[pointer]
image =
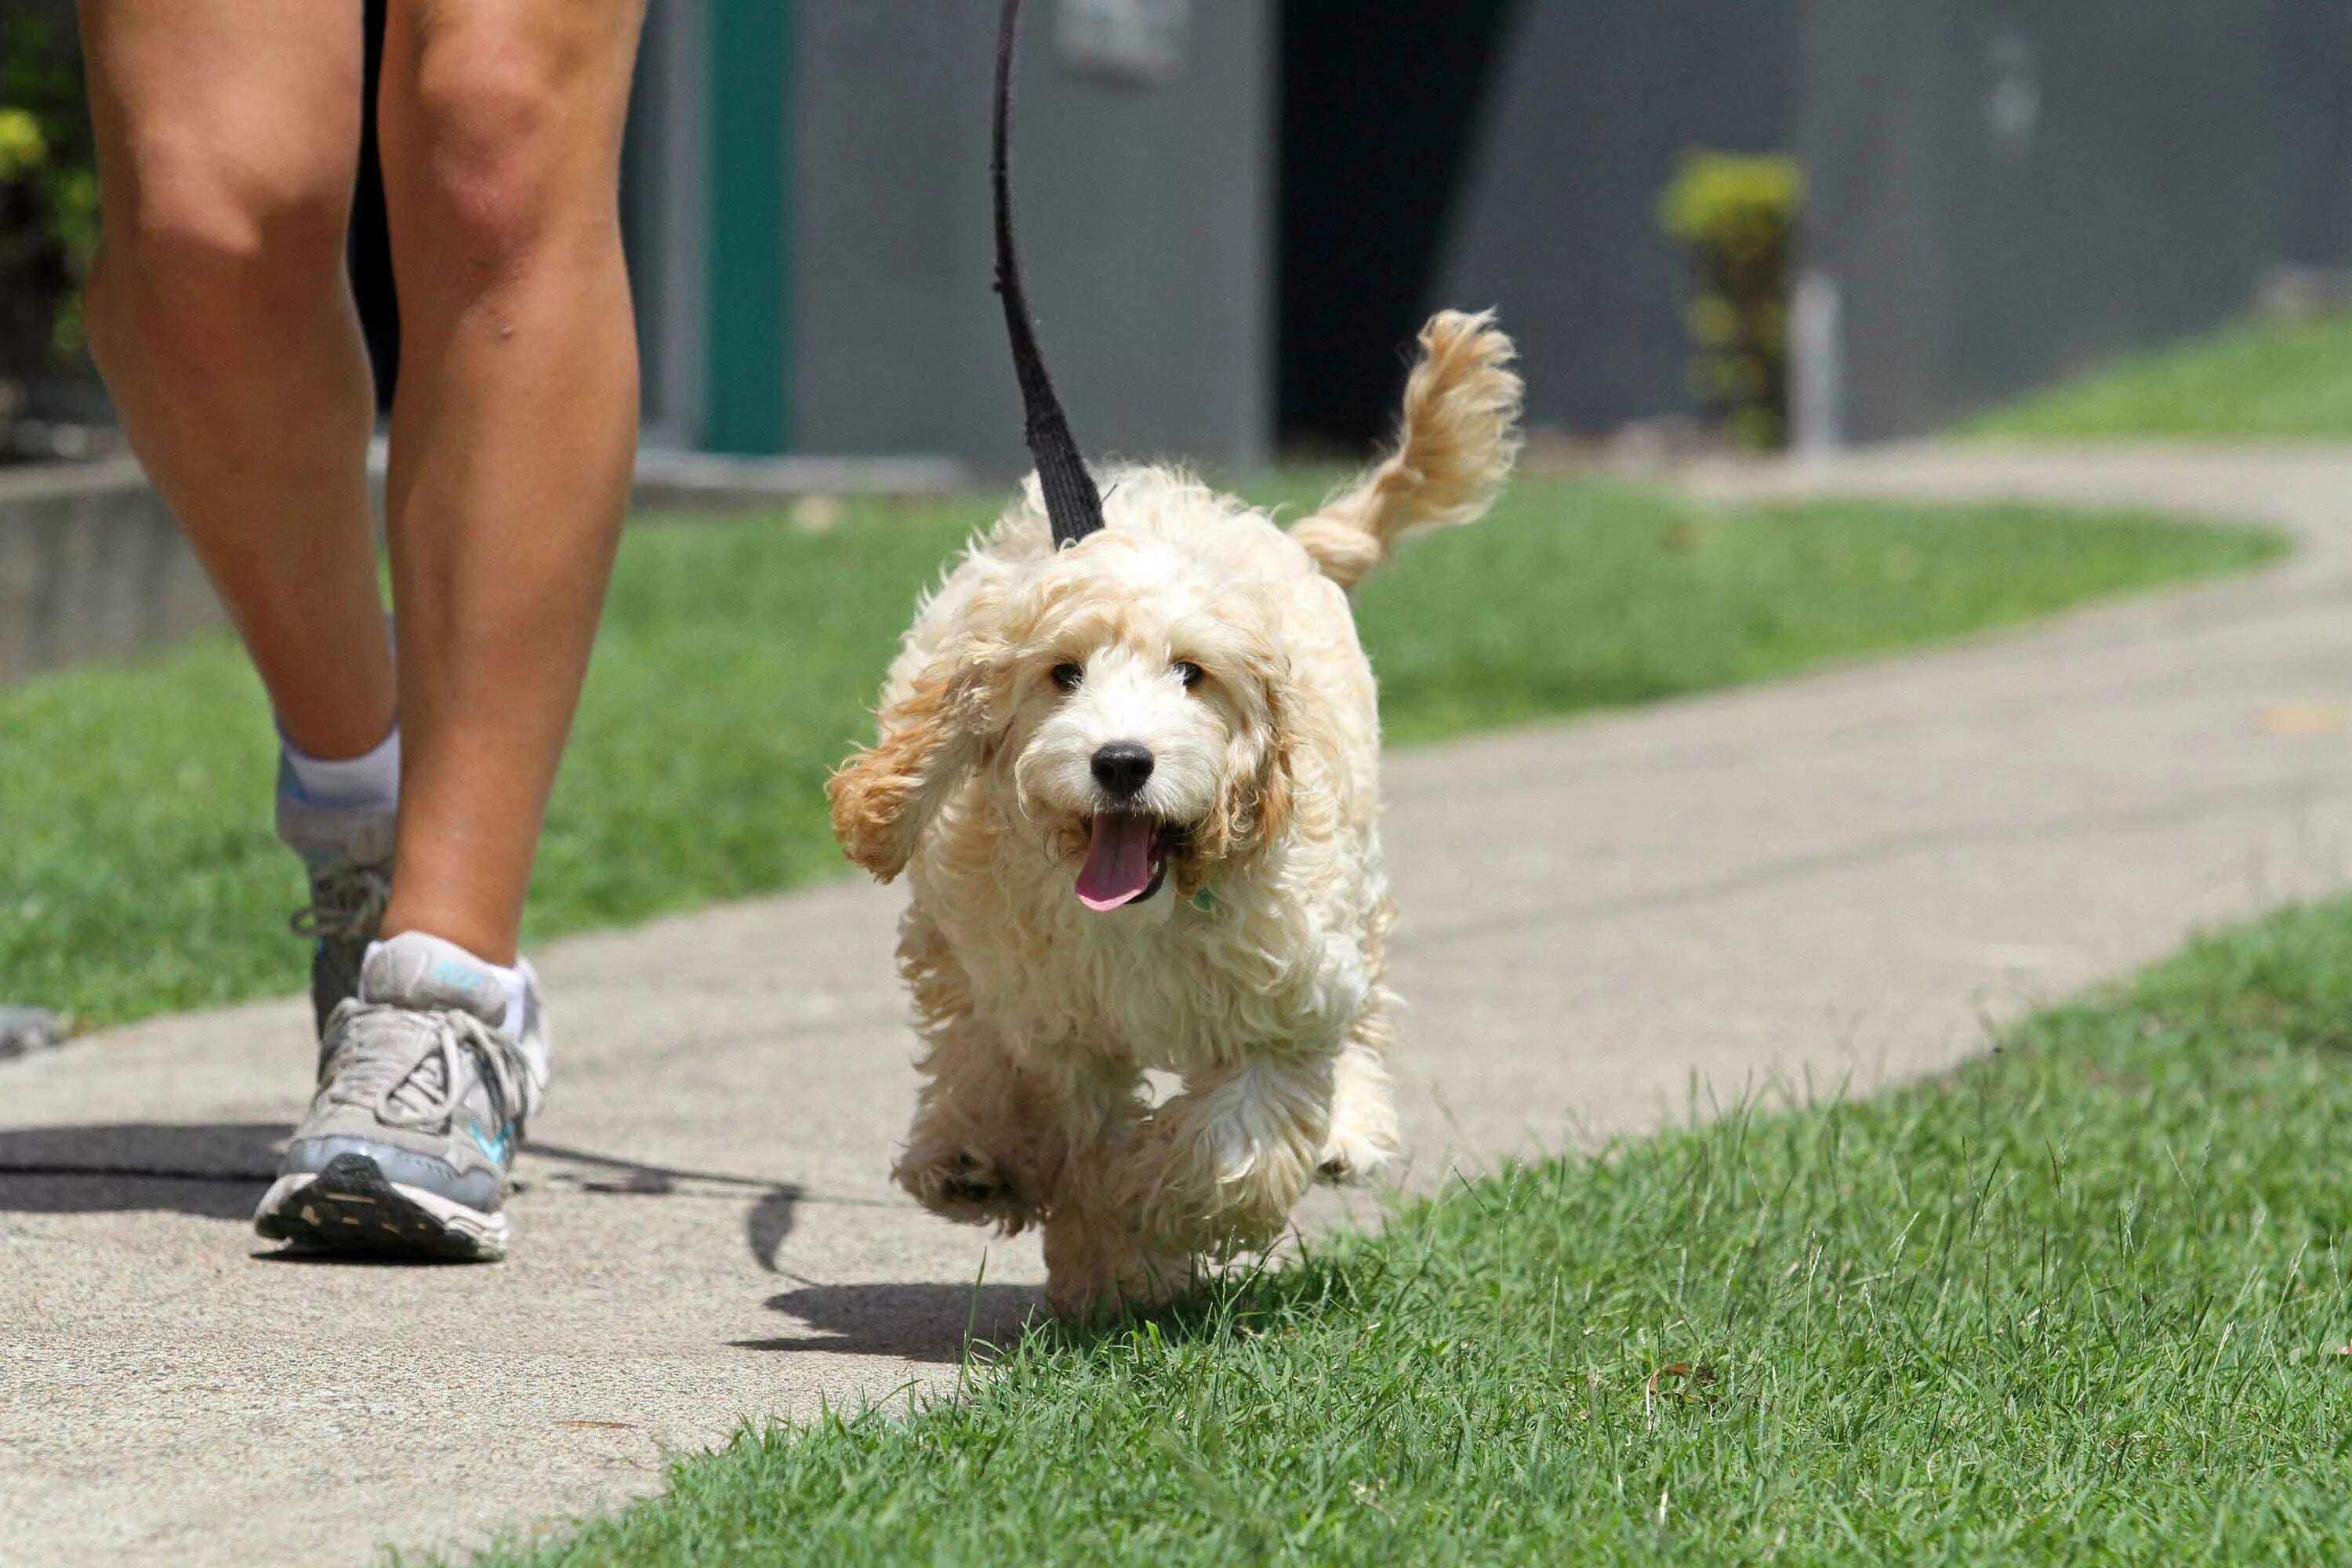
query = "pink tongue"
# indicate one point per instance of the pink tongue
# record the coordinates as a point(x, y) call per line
point(1118, 861)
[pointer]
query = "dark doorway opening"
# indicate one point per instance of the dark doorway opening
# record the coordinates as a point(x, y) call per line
point(1379, 112)
point(370, 251)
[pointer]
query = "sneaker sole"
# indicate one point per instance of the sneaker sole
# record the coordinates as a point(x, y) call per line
point(350, 1207)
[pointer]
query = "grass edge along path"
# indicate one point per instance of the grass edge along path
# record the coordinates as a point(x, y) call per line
point(2250, 380)
point(138, 873)
point(2084, 1299)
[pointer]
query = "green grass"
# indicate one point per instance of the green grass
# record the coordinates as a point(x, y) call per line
point(2264, 380)
point(2082, 1303)
point(138, 873)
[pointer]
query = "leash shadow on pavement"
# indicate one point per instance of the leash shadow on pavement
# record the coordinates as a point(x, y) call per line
point(925, 1322)
point(766, 1223)
point(219, 1169)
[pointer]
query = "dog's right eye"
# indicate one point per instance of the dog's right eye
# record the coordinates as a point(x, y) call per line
point(1067, 676)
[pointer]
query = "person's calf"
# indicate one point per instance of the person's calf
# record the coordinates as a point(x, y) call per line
point(513, 440)
point(219, 312)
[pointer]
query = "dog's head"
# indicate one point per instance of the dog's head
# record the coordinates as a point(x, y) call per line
point(1126, 700)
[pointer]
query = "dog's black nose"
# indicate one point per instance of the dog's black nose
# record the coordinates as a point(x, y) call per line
point(1122, 766)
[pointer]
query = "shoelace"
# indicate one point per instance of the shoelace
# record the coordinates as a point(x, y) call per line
point(396, 1084)
point(346, 903)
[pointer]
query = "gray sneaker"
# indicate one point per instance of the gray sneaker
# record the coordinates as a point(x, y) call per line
point(422, 1100)
point(348, 852)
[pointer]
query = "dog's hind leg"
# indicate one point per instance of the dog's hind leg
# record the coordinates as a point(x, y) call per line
point(1098, 1261)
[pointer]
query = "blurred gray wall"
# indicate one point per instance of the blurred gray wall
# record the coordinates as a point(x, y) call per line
point(2005, 191)
point(2310, 86)
point(1145, 213)
point(1590, 103)
point(91, 567)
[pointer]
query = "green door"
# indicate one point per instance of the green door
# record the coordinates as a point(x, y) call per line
point(747, 337)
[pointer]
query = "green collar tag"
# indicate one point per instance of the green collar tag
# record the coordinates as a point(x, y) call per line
point(1205, 901)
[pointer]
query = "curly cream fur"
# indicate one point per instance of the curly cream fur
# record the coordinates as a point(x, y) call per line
point(1256, 973)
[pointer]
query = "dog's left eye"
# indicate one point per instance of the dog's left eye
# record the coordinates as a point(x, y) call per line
point(1067, 676)
point(1188, 672)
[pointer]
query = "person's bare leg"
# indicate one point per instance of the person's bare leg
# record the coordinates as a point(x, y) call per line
point(229, 136)
point(515, 430)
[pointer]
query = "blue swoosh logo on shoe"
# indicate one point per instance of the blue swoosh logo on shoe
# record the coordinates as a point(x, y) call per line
point(495, 1149)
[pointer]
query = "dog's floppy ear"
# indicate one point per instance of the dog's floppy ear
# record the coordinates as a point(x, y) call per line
point(932, 737)
point(1253, 808)
point(1274, 788)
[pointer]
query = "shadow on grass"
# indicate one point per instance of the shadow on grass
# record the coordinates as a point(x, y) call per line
point(945, 1323)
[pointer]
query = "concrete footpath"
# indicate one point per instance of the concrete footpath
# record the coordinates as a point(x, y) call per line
point(1838, 879)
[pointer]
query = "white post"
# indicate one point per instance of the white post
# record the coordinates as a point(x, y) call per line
point(1816, 366)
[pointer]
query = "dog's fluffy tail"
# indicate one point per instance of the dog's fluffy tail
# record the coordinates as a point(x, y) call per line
point(1454, 448)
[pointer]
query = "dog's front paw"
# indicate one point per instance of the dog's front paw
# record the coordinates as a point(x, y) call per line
point(1360, 1149)
point(1362, 1141)
point(967, 1186)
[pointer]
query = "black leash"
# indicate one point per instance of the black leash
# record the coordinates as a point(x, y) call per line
point(1071, 503)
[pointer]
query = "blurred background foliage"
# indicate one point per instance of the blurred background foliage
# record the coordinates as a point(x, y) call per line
point(1735, 216)
point(48, 199)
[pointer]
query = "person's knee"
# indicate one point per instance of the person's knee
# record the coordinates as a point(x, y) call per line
point(206, 262)
point(490, 156)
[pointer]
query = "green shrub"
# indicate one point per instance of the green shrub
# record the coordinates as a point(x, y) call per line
point(1736, 215)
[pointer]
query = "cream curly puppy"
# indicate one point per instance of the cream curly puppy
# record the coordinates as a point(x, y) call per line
point(1134, 786)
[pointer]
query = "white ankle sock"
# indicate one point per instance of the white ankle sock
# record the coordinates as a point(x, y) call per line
point(371, 778)
point(515, 981)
